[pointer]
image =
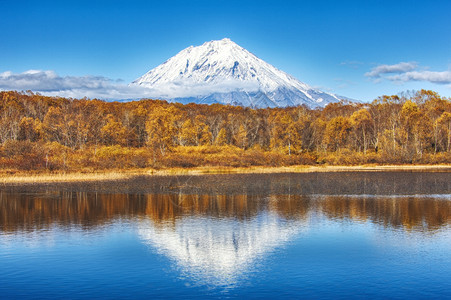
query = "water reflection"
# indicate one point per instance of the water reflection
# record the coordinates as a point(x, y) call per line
point(219, 251)
point(266, 235)
point(217, 237)
point(22, 212)
point(214, 239)
point(411, 213)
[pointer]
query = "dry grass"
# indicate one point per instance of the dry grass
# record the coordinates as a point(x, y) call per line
point(62, 177)
point(311, 169)
point(37, 178)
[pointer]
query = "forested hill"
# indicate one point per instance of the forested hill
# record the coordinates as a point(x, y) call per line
point(48, 133)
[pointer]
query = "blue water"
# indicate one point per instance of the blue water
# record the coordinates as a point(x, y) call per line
point(67, 242)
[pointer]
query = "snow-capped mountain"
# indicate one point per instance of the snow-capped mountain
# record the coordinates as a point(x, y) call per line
point(223, 72)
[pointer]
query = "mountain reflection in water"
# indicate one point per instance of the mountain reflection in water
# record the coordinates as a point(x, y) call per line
point(214, 231)
point(218, 251)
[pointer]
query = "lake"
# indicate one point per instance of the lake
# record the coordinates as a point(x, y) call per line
point(315, 235)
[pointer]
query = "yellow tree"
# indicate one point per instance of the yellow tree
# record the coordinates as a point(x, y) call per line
point(445, 128)
point(161, 128)
point(240, 137)
point(385, 111)
point(361, 123)
point(434, 106)
point(11, 114)
point(318, 128)
point(221, 138)
point(337, 132)
point(284, 133)
point(138, 123)
point(56, 126)
point(203, 134)
point(113, 132)
point(188, 134)
point(416, 129)
point(30, 129)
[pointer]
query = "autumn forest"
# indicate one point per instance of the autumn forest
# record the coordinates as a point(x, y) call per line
point(39, 133)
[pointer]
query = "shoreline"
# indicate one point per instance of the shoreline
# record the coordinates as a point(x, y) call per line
point(113, 175)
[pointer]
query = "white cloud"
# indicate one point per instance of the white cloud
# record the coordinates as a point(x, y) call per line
point(49, 81)
point(192, 89)
point(51, 84)
point(433, 77)
point(408, 71)
point(401, 67)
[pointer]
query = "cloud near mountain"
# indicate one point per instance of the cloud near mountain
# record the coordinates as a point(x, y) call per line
point(402, 67)
point(408, 71)
point(52, 84)
point(50, 81)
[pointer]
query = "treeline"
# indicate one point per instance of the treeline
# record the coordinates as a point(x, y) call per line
point(51, 133)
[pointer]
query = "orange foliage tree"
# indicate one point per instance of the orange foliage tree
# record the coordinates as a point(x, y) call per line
point(39, 132)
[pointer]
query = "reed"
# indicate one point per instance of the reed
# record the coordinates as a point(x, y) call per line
point(38, 178)
point(7, 178)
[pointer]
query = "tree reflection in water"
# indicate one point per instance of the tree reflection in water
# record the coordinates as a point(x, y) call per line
point(212, 235)
point(27, 212)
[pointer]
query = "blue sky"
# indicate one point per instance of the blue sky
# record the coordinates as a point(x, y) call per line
point(359, 49)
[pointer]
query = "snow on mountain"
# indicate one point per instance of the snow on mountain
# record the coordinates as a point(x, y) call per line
point(223, 72)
